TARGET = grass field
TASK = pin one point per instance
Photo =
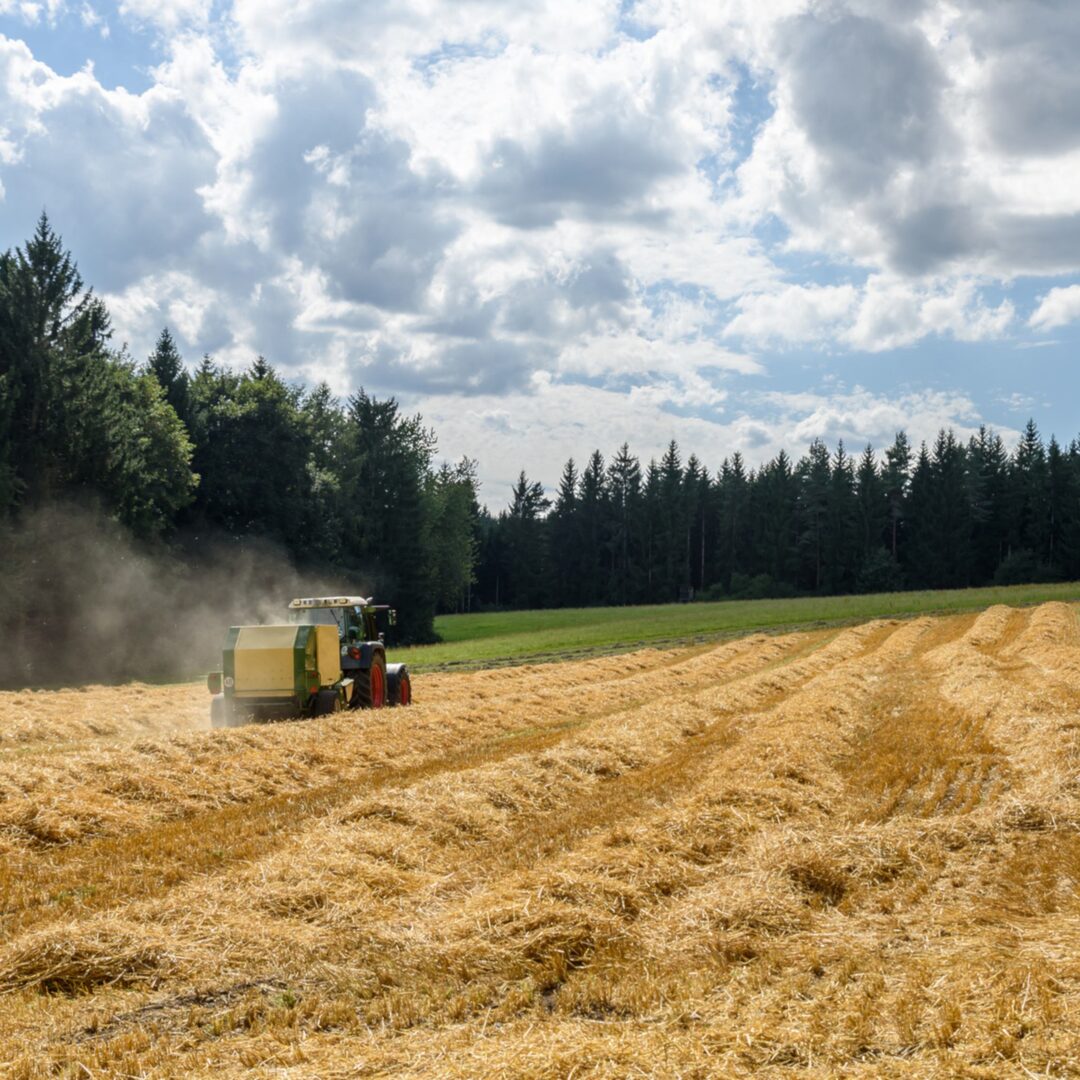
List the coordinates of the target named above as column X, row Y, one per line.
column 837, row 852
column 480, row 640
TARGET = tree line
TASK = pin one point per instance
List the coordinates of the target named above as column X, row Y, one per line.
column 352, row 488
column 949, row 515
column 176, row 455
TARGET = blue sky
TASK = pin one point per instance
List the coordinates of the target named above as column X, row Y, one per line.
column 551, row 226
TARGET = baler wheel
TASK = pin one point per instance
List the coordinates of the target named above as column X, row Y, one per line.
column 327, row 702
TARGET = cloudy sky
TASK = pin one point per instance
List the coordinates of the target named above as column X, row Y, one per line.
column 554, row 226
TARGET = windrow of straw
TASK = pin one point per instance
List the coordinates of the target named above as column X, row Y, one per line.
column 851, row 854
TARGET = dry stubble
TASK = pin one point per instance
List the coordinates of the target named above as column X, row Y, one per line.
column 816, row 854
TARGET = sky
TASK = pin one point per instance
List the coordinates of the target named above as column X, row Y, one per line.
column 554, row 227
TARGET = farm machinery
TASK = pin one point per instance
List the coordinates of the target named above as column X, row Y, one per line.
column 329, row 656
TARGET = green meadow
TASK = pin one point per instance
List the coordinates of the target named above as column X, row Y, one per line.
column 490, row 638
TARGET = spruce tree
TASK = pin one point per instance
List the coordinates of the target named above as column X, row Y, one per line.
column 565, row 543
column 625, row 526
column 167, row 366
column 814, row 474
column 895, row 477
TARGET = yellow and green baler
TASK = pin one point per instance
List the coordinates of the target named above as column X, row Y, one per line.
column 273, row 672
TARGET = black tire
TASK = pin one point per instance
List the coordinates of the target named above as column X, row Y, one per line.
column 327, row 702
column 399, row 684
column 369, row 685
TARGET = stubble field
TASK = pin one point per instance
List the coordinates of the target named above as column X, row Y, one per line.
column 849, row 852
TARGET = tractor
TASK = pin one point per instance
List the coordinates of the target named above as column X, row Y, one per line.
column 330, row 655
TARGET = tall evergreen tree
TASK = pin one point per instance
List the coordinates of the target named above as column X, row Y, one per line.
column 814, row 475
column 873, row 506
column 1027, row 498
column 698, row 495
column 167, row 366
column 389, row 517
column 625, row 526
column 452, row 495
column 527, row 584
column 988, row 485
column 842, row 525
column 674, row 565
column 895, row 478
column 592, row 515
column 733, row 504
column 53, row 331
column 778, row 541
column 564, row 533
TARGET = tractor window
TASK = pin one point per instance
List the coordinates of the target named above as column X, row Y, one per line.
column 354, row 624
column 318, row 617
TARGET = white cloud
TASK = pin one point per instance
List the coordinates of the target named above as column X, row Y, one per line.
column 884, row 313
column 475, row 202
column 1058, row 307
column 893, row 314
column 554, row 421
column 793, row 314
column 167, row 14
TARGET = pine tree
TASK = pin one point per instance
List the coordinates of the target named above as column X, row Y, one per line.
column 814, row 475
column 988, row 484
column 1061, row 499
column 592, row 516
column 1027, row 500
column 625, row 526
column 842, row 525
column 167, row 366
column 674, row 565
column 733, row 504
column 52, row 331
column 389, row 516
column 873, row 506
column 525, row 539
column 452, row 494
column 777, row 531
column 942, row 515
column 563, row 532
column 895, row 477
column 698, row 491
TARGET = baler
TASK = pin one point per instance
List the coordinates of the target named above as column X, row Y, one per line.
column 330, row 656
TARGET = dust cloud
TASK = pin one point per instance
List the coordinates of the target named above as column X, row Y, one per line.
column 82, row 602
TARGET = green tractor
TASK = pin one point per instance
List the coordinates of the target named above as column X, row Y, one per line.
column 329, row 656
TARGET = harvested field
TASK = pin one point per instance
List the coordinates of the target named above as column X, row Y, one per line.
column 850, row 852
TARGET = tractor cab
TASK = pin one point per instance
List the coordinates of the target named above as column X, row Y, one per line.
column 361, row 628
column 357, row 619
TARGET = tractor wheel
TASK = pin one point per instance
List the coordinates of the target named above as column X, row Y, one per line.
column 327, row 702
column 399, row 686
column 369, row 687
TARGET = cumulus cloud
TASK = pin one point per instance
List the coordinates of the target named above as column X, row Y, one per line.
column 555, row 421
column 884, row 313
column 1058, row 307
column 548, row 201
column 793, row 314
column 168, row 14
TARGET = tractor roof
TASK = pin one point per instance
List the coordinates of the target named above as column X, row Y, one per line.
column 329, row 601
